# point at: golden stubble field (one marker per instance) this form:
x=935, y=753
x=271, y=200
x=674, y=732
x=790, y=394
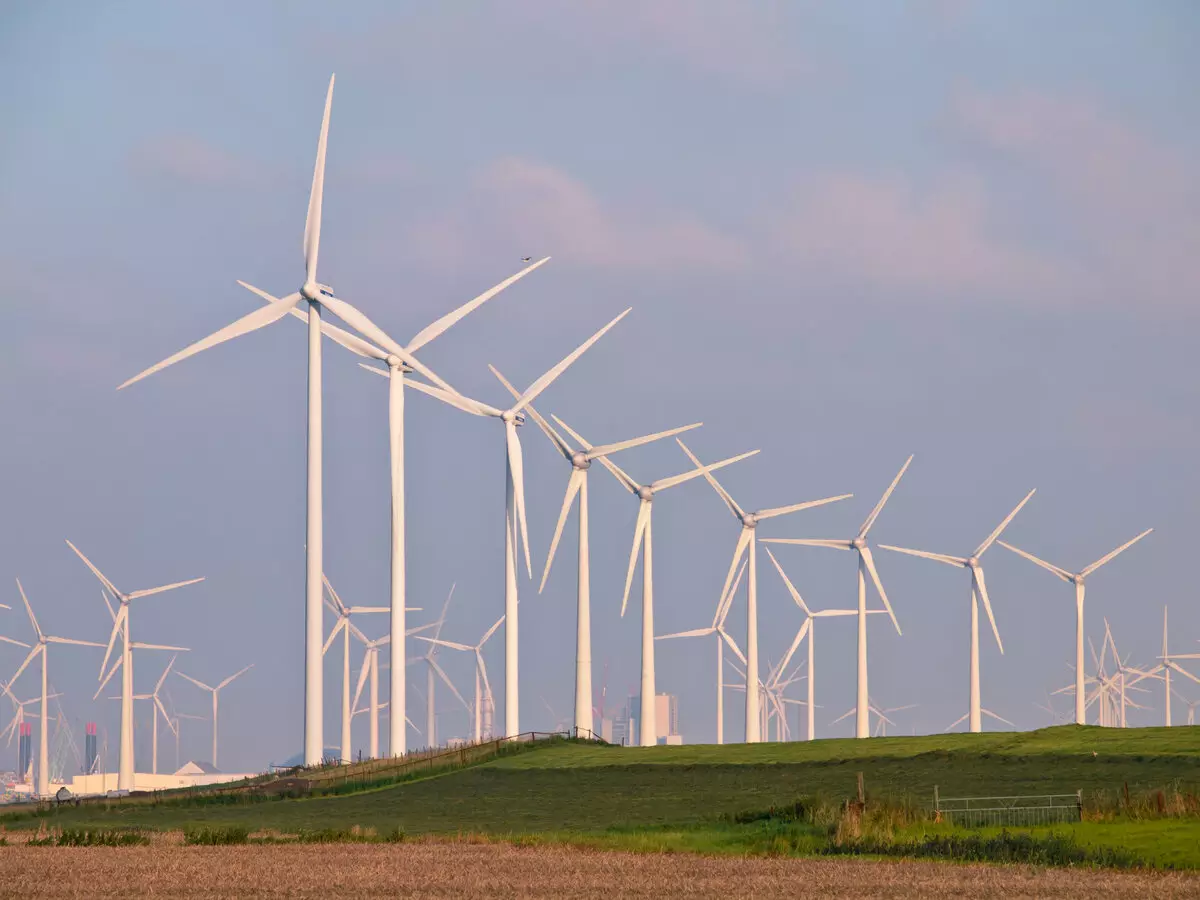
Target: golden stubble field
x=450, y=869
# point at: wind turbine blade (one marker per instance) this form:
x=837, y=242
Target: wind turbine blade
x=351, y=342
x=118, y=623
x=574, y=483
x=847, y=714
x=795, y=644
x=608, y=449
x=796, y=507
x=429, y=332
x=616, y=471
x=982, y=548
x=237, y=674
x=108, y=677
x=163, y=677
x=544, y=382
x=869, y=559
x=341, y=623
x=260, y=318
x=458, y=401
x=1109, y=556
x=556, y=439
x=981, y=587
x=695, y=632
x=516, y=464
x=369, y=609
x=487, y=685
x=488, y=634
x=9, y=640
x=37, y=648
x=199, y=684
x=337, y=600
x=312, y=222
x=716, y=485
x=732, y=645
x=811, y=542
x=824, y=613
x=870, y=519
x=639, y=530
x=788, y=582
x=62, y=640
x=362, y=679
x=743, y=541
x=112, y=613
x=988, y=712
x=453, y=645
x=139, y=645
x=449, y=683
x=957, y=722
x=87, y=562
x=29, y=609
x=925, y=554
x=1049, y=567
x=663, y=483
x=166, y=587
x=727, y=601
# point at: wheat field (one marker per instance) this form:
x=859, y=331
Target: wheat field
x=463, y=869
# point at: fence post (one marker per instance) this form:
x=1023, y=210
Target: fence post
x=937, y=803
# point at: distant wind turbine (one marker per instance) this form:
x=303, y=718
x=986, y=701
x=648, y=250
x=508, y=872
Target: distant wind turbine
x=216, y=693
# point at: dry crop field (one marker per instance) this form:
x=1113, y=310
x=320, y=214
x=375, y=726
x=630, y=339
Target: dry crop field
x=461, y=869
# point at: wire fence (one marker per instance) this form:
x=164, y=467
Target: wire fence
x=1036, y=809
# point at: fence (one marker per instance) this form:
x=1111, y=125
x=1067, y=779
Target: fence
x=1039, y=809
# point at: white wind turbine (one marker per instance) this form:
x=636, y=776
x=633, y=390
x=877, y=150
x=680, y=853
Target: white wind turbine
x=643, y=542
x=978, y=592
x=718, y=629
x=125, y=662
x=881, y=719
x=157, y=708
x=748, y=543
x=809, y=629
x=1077, y=579
x=42, y=642
x=343, y=613
x=577, y=486
x=216, y=693
x=317, y=296
x=370, y=669
x=515, y=528
x=484, y=704
x=397, y=369
x=866, y=565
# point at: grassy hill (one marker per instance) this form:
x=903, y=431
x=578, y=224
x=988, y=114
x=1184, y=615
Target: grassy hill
x=577, y=787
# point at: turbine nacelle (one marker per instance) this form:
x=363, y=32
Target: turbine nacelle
x=858, y=543
x=516, y=418
x=749, y=520
x=972, y=562
x=580, y=460
x=396, y=363
x=311, y=290
x=645, y=492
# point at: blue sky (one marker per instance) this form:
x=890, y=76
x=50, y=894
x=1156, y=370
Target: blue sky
x=962, y=230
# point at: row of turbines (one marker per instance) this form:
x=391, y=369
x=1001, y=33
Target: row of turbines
x=399, y=364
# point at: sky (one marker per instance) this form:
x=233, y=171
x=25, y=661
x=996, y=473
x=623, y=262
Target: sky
x=966, y=231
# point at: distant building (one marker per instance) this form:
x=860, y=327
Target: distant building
x=666, y=720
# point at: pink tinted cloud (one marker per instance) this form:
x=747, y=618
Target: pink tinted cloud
x=536, y=208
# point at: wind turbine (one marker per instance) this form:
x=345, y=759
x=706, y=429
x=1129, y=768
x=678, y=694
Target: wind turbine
x=1077, y=579
x=717, y=628
x=41, y=645
x=514, y=505
x=881, y=718
x=577, y=486
x=866, y=564
x=397, y=369
x=483, y=701
x=643, y=541
x=216, y=693
x=156, y=709
x=748, y=542
x=809, y=629
x=978, y=592
x=343, y=613
x=370, y=668
x=432, y=668
x=125, y=663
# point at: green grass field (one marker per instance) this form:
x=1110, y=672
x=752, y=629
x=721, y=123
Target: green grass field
x=675, y=797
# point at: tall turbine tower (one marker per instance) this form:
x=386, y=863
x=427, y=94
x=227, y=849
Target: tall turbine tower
x=396, y=371
x=577, y=486
x=1077, y=579
x=979, y=592
x=515, y=530
x=125, y=663
x=43, y=641
x=747, y=542
x=866, y=565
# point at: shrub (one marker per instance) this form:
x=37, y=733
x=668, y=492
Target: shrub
x=215, y=835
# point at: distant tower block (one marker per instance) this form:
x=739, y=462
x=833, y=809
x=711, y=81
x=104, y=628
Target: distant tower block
x=25, y=752
x=91, y=757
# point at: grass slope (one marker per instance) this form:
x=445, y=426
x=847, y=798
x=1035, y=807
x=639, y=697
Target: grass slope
x=593, y=788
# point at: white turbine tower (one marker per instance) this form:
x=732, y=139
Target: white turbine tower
x=718, y=628
x=577, y=486
x=483, y=698
x=866, y=565
x=370, y=669
x=125, y=662
x=515, y=530
x=643, y=542
x=41, y=644
x=397, y=368
x=979, y=592
x=216, y=693
x=1078, y=579
x=159, y=709
x=343, y=613
x=747, y=543
x=809, y=629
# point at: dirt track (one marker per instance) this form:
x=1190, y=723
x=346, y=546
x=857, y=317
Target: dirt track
x=498, y=870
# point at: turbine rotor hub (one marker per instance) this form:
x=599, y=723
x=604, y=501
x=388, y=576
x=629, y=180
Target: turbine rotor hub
x=859, y=543
x=580, y=461
x=310, y=290
x=750, y=520
x=973, y=562
x=645, y=492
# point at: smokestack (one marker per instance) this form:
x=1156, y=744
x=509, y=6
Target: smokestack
x=91, y=756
